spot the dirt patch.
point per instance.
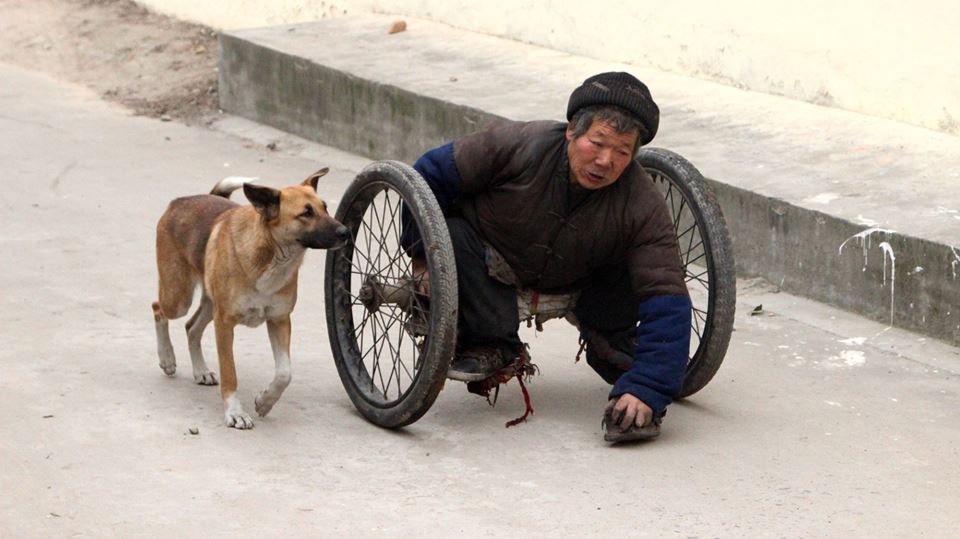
(156, 65)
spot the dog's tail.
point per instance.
(230, 184)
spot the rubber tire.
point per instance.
(722, 297)
(440, 344)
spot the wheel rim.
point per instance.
(697, 261)
(384, 350)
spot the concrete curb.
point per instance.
(356, 104)
(799, 249)
(333, 107)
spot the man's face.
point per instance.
(599, 156)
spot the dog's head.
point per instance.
(296, 215)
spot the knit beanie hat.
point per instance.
(622, 90)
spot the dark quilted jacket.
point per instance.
(514, 190)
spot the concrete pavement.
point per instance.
(820, 423)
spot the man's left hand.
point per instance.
(627, 411)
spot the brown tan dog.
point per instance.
(247, 259)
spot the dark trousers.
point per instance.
(488, 308)
(607, 306)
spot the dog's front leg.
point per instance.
(279, 331)
(233, 411)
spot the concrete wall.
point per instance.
(886, 58)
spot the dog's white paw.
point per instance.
(264, 403)
(169, 367)
(238, 420)
(234, 416)
(207, 378)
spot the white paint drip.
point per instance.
(887, 250)
(846, 359)
(864, 239)
(861, 220)
(953, 264)
(882, 331)
(885, 247)
(855, 341)
(853, 358)
(822, 198)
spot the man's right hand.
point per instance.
(628, 411)
(421, 275)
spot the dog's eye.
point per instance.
(307, 212)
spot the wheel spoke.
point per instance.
(375, 369)
(697, 246)
(678, 213)
(403, 364)
(363, 255)
(387, 323)
(690, 247)
(687, 231)
(698, 276)
(385, 340)
(384, 231)
(696, 319)
(387, 268)
(695, 325)
(400, 365)
(703, 283)
(380, 270)
(701, 255)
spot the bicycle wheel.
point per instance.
(707, 258)
(391, 344)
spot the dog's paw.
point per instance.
(264, 403)
(238, 420)
(207, 378)
(169, 368)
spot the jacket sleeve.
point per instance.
(439, 170)
(664, 312)
(663, 343)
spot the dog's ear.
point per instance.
(315, 177)
(266, 200)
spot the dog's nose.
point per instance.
(342, 233)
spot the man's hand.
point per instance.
(421, 276)
(627, 411)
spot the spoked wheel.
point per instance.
(392, 345)
(707, 257)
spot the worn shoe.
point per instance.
(612, 433)
(477, 363)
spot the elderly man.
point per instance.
(562, 207)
